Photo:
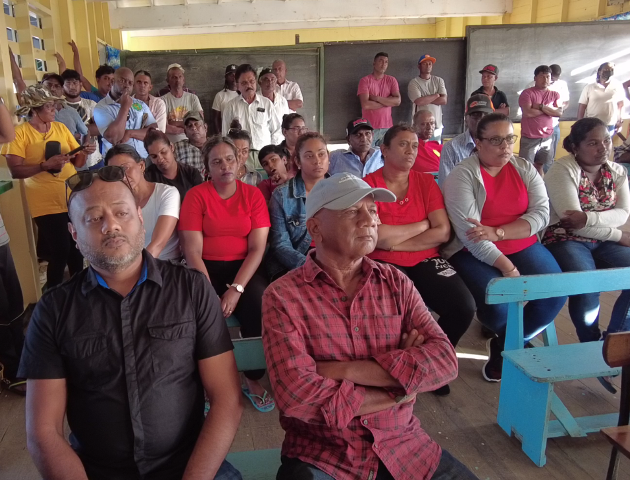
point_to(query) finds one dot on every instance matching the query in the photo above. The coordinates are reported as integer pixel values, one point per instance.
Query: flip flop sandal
(607, 384)
(18, 387)
(267, 404)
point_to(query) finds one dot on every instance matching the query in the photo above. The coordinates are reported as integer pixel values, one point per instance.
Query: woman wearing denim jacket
(289, 240)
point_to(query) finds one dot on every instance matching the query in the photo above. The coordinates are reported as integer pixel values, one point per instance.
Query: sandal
(267, 404)
(18, 387)
(607, 384)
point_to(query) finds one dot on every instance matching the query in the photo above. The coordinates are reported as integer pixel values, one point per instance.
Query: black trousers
(11, 308)
(444, 292)
(56, 246)
(249, 307)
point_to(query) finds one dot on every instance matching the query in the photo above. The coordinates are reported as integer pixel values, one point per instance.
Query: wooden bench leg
(524, 407)
(612, 466)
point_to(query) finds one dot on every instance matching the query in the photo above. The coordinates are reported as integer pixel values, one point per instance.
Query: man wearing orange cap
(489, 76)
(427, 92)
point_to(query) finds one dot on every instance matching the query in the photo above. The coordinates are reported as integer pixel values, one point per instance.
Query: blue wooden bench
(527, 396)
(257, 464)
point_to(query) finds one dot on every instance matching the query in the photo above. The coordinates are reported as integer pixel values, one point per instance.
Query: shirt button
(356, 329)
(344, 299)
(364, 422)
(375, 446)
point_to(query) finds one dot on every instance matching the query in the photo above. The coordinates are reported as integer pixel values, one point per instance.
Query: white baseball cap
(175, 65)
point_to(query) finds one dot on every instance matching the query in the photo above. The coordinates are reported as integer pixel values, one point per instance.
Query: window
(8, 8)
(12, 35)
(38, 43)
(35, 20)
(18, 59)
(40, 65)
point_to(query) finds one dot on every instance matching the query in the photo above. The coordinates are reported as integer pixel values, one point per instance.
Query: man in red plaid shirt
(349, 343)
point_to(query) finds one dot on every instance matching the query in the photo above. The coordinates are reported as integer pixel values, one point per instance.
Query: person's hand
(618, 124)
(229, 300)
(74, 47)
(625, 239)
(424, 225)
(481, 232)
(411, 339)
(512, 273)
(60, 60)
(125, 101)
(503, 105)
(90, 147)
(126, 137)
(55, 163)
(573, 219)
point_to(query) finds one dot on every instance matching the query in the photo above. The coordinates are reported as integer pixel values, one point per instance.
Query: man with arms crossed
(142, 86)
(178, 102)
(288, 89)
(349, 343)
(427, 92)
(378, 93)
(539, 105)
(127, 347)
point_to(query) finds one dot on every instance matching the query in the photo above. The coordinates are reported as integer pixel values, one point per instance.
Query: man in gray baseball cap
(349, 344)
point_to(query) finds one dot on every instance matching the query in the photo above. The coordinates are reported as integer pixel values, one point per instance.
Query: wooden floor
(464, 423)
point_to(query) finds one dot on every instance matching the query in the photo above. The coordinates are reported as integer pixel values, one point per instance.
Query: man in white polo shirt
(288, 89)
(222, 98)
(603, 98)
(178, 103)
(428, 92)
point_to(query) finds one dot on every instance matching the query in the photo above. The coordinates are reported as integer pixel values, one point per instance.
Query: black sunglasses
(82, 180)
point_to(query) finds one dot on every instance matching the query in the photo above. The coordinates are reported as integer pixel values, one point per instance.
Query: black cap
(356, 125)
(230, 69)
(479, 103)
(265, 71)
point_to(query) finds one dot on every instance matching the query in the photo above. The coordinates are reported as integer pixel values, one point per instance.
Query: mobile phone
(76, 150)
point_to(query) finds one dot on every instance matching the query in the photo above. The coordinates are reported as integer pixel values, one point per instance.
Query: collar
(312, 270)
(469, 138)
(256, 99)
(297, 188)
(109, 100)
(149, 272)
(369, 155)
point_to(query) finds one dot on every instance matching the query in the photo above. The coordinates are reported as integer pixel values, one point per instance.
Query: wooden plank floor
(464, 423)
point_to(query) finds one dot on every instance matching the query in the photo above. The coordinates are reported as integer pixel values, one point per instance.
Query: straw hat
(33, 97)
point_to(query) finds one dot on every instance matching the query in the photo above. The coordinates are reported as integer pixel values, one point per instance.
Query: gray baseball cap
(341, 191)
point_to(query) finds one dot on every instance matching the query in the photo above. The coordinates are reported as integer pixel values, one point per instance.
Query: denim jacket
(288, 238)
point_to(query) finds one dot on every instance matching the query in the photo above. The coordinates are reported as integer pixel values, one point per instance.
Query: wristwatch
(239, 288)
(500, 233)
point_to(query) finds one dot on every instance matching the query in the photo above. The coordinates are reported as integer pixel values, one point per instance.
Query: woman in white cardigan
(589, 202)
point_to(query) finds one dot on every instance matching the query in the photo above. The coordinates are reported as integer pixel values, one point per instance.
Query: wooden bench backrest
(249, 354)
(515, 291)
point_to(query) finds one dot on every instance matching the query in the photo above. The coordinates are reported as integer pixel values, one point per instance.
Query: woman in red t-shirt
(497, 204)
(223, 228)
(412, 230)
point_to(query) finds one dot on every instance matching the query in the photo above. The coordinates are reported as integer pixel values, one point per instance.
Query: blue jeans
(377, 136)
(227, 472)
(584, 309)
(449, 468)
(537, 314)
(555, 139)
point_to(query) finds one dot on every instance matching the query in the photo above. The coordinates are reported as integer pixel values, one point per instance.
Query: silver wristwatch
(239, 288)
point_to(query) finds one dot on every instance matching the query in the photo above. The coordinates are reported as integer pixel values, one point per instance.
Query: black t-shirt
(497, 99)
(187, 177)
(135, 397)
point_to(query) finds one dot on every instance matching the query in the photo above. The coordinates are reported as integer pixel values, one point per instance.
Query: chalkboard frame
(316, 48)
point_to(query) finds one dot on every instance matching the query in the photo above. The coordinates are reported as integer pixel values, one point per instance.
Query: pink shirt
(382, 117)
(542, 125)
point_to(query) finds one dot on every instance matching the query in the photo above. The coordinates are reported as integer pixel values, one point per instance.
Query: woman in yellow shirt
(44, 180)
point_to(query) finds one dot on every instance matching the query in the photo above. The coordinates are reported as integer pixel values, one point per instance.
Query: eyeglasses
(298, 129)
(82, 180)
(496, 141)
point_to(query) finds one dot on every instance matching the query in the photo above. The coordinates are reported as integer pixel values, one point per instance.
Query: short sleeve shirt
(135, 400)
(139, 116)
(420, 87)
(222, 98)
(290, 90)
(45, 192)
(225, 224)
(423, 197)
(601, 101)
(382, 87)
(542, 125)
(163, 201)
(498, 97)
(177, 108)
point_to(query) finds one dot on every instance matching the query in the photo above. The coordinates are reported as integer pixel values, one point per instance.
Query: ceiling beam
(278, 15)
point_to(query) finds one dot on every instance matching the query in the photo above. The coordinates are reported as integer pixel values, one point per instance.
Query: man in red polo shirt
(429, 151)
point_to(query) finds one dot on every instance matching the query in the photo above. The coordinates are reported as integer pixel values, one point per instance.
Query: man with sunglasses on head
(539, 105)
(121, 118)
(463, 145)
(127, 347)
(361, 158)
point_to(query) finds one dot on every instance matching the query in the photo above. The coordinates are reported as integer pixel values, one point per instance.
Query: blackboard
(346, 63)
(579, 49)
(205, 71)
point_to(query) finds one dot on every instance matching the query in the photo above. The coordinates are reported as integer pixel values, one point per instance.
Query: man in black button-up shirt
(128, 346)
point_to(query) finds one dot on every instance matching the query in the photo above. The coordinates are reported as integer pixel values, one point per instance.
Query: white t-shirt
(419, 87)
(222, 98)
(601, 102)
(291, 91)
(177, 108)
(85, 108)
(163, 201)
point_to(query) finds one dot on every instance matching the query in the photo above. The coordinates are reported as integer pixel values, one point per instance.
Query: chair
(617, 354)
(527, 397)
